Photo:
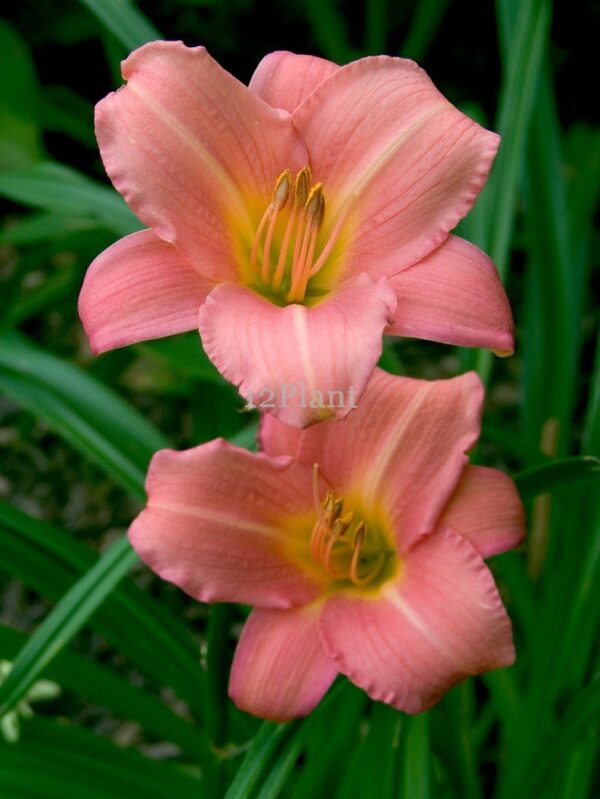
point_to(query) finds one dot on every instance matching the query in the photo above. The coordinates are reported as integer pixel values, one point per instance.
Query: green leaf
(86, 413)
(330, 29)
(185, 354)
(542, 479)
(490, 225)
(375, 26)
(58, 761)
(261, 750)
(415, 778)
(20, 140)
(591, 433)
(49, 561)
(60, 189)
(65, 620)
(427, 19)
(126, 22)
(41, 227)
(285, 740)
(339, 732)
(99, 686)
(65, 111)
(377, 777)
(583, 709)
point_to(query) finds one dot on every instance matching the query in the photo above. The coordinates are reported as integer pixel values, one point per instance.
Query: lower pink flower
(360, 544)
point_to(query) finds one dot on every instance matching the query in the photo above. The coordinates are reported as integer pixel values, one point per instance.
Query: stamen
(328, 551)
(301, 186)
(297, 238)
(256, 242)
(281, 261)
(315, 489)
(326, 251)
(315, 205)
(327, 505)
(282, 190)
(316, 538)
(359, 535)
(297, 265)
(314, 212)
(359, 539)
(279, 200)
(337, 509)
(341, 525)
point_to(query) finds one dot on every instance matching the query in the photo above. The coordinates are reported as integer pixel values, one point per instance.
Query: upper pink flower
(294, 220)
(360, 544)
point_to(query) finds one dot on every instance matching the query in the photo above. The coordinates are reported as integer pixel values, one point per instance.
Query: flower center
(350, 550)
(288, 251)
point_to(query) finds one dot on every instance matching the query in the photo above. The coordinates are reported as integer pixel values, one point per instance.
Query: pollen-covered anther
(356, 556)
(302, 187)
(281, 191)
(289, 228)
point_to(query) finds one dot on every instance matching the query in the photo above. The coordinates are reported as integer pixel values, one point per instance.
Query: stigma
(343, 544)
(286, 252)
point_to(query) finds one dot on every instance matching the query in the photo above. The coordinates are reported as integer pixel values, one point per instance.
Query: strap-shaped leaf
(65, 620)
(58, 761)
(126, 22)
(90, 416)
(49, 561)
(61, 189)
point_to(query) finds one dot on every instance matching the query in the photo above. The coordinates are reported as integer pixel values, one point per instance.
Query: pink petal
(284, 80)
(277, 438)
(137, 289)
(188, 146)
(442, 621)
(403, 450)
(486, 510)
(280, 669)
(282, 356)
(454, 295)
(390, 148)
(219, 524)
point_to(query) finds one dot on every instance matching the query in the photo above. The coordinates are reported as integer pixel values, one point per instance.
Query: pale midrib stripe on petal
(416, 620)
(300, 317)
(207, 159)
(270, 531)
(352, 195)
(377, 467)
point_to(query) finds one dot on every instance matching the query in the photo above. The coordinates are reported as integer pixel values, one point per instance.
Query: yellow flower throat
(286, 252)
(349, 550)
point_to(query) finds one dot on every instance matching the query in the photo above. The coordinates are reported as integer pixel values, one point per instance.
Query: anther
(327, 503)
(343, 523)
(337, 509)
(297, 258)
(280, 196)
(314, 207)
(281, 190)
(301, 186)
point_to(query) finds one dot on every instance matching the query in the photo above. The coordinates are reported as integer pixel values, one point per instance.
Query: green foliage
(20, 140)
(139, 665)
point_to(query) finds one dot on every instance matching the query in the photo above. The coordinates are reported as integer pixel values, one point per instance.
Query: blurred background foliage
(142, 710)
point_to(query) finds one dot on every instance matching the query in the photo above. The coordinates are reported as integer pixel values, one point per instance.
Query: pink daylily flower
(292, 221)
(360, 545)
